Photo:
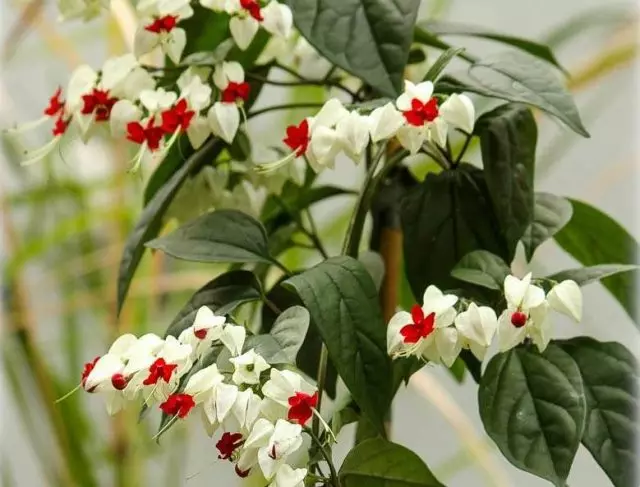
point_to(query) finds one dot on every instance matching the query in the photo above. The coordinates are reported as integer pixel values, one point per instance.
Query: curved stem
(285, 106)
(301, 82)
(335, 481)
(463, 150)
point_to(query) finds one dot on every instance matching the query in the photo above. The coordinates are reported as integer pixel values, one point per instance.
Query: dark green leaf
(440, 28)
(150, 221)
(379, 463)
(508, 137)
(610, 377)
(283, 342)
(219, 236)
(442, 62)
(368, 39)
(550, 214)
(223, 294)
(533, 406)
(518, 77)
(309, 355)
(483, 269)
(445, 218)
(587, 275)
(416, 56)
(594, 238)
(343, 303)
(458, 369)
(474, 366)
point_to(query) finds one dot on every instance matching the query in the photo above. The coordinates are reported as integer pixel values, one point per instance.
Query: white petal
(329, 115)
(438, 131)
(174, 44)
(566, 297)
(227, 71)
(157, 100)
(403, 102)
(203, 380)
(421, 91)
(198, 131)
(145, 41)
(533, 297)
(233, 338)
(325, 146)
(278, 19)
(394, 338)
(224, 120)
(122, 345)
(354, 134)
(103, 370)
(243, 30)
(458, 111)
(122, 113)
(448, 344)
(288, 477)
(82, 81)
(260, 434)
(136, 82)
(411, 138)
(515, 290)
(384, 122)
(115, 70)
(508, 335)
(225, 397)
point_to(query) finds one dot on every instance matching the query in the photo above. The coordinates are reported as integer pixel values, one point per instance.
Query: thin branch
(285, 106)
(335, 481)
(463, 150)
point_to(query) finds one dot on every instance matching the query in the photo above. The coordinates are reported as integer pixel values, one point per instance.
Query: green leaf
(592, 238)
(445, 58)
(533, 406)
(423, 36)
(550, 214)
(343, 302)
(518, 77)
(150, 221)
(218, 236)
(380, 463)
(610, 377)
(587, 275)
(508, 136)
(483, 269)
(444, 28)
(223, 294)
(283, 342)
(369, 39)
(443, 219)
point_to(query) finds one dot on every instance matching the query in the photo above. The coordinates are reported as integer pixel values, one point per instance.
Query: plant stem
(300, 82)
(284, 106)
(463, 150)
(321, 379)
(335, 481)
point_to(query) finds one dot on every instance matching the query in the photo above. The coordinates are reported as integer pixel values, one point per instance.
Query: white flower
(248, 368)
(309, 61)
(258, 438)
(477, 326)
(526, 314)
(115, 70)
(219, 404)
(123, 113)
(243, 30)
(285, 440)
(566, 297)
(157, 100)
(458, 110)
(192, 89)
(82, 81)
(224, 120)
(202, 385)
(207, 328)
(289, 477)
(323, 148)
(384, 122)
(100, 377)
(159, 28)
(427, 330)
(246, 409)
(421, 91)
(411, 138)
(277, 19)
(288, 395)
(233, 338)
(354, 135)
(226, 72)
(329, 115)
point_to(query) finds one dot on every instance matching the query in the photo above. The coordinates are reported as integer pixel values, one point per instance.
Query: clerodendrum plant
(539, 397)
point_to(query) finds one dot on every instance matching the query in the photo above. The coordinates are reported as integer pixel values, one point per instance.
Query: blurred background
(64, 222)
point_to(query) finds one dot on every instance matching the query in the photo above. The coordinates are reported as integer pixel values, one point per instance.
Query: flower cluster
(261, 418)
(437, 332)
(416, 117)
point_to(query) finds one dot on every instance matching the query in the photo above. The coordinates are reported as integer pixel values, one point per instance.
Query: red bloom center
(88, 367)
(162, 24)
(298, 137)
(421, 113)
(159, 370)
(519, 319)
(235, 92)
(253, 7)
(242, 473)
(301, 407)
(100, 103)
(56, 104)
(228, 444)
(119, 381)
(421, 327)
(150, 134)
(60, 126)
(200, 334)
(177, 117)
(178, 404)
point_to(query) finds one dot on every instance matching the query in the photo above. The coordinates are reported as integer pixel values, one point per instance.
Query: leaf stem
(335, 481)
(463, 150)
(319, 82)
(284, 106)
